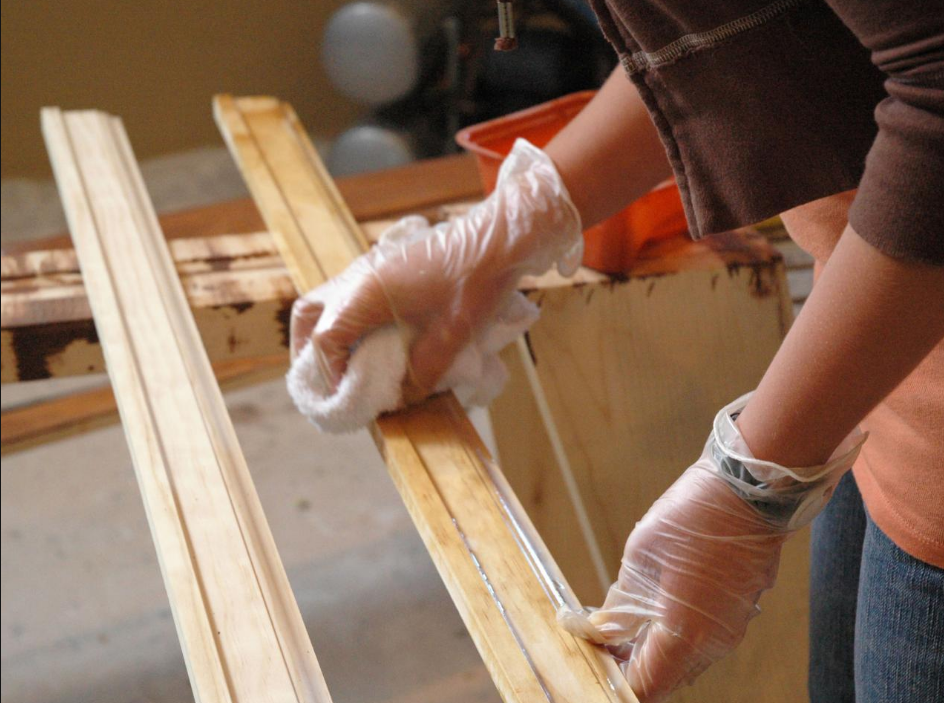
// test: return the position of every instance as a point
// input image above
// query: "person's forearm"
(610, 154)
(868, 323)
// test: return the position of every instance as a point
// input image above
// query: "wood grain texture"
(499, 574)
(412, 188)
(634, 371)
(242, 635)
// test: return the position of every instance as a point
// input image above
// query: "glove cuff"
(788, 498)
(564, 241)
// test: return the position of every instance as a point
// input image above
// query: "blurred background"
(378, 83)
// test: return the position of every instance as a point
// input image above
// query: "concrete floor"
(84, 613)
(85, 617)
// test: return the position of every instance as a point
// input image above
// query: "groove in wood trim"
(504, 583)
(240, 629)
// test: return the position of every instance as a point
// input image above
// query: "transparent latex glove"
(441, 285)
(695, 566)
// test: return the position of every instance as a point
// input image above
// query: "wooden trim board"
(240, 629)
(505, 585)
(33, 424)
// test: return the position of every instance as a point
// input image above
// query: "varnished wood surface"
(239, 291)
(241, 295)
(452, 489)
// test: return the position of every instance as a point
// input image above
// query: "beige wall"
(157, 64)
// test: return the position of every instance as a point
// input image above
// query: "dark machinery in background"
(428, 68)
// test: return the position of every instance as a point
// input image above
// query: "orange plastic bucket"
(610, 246)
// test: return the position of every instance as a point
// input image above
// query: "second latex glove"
(695, 566)
(443, 287)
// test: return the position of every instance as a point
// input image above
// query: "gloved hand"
(442, 287)
(695, 566)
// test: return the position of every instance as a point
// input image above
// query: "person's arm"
(443, 289)
(696, 564)
(868, 322)
(872, 315)
(610, 154)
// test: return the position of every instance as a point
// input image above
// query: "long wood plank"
(418, 186)
(504, 583)
(240, 629)
(33, 424)
(236, 284)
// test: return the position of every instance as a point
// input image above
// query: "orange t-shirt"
(900, 471)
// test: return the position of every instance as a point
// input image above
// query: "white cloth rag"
(372, 383)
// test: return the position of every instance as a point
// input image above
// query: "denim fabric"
(836, 552)
(876, 613)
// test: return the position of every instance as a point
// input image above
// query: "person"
(831, 114)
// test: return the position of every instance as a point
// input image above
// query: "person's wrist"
(786, 497)
(541, 223)
(567, 231)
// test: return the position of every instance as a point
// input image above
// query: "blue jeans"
(876, 613)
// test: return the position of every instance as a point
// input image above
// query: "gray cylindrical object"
(371, 52)
(369, 147)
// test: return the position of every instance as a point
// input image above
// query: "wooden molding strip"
(240, 629)
(498, 572)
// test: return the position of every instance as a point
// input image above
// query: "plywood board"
(634, 370)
